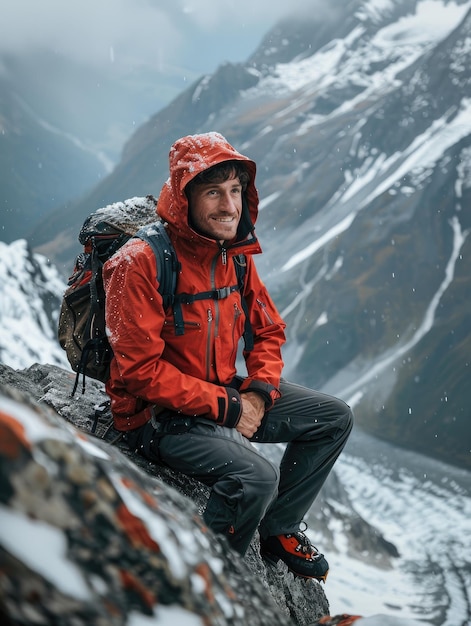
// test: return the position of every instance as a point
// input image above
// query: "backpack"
(81, 328)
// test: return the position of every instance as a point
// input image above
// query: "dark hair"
(219, 173)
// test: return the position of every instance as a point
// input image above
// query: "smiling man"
(175, 390)
(215, 200)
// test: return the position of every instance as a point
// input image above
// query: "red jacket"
(189, 374)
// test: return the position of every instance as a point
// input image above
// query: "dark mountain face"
(40, 166)
(361, 130)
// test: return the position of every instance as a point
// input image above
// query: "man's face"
(216, 208)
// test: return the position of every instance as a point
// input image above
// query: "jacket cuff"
(268, 392)
(230, 408)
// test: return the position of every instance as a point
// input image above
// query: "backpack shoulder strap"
(167, 263)
(240, 263)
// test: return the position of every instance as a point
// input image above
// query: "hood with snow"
(189, 156)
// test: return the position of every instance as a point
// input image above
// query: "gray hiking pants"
(247, 491)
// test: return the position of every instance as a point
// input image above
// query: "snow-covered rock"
(31, 290)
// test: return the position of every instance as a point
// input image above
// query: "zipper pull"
(224, 256)
(210, 315)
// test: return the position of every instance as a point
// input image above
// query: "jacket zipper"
(264, 309)
(213, 321)
(208, 345)
(213, 286)
(237, 314)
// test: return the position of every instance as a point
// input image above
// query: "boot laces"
(304, 543)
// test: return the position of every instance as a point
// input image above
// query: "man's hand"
(253, 410)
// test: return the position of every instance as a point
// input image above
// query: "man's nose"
(228, 202)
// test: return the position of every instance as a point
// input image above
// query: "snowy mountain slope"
(423, 507)
(30, 294)
(411, 183)
(383, 233)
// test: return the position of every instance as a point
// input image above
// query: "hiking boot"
(295, 549)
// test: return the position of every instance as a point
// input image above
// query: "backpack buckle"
(223, 292)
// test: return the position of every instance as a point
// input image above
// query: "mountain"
(360, 123)
(63, 124)
(41, 166)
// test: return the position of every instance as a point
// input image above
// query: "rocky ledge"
(92, 534)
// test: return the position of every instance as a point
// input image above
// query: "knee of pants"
(250, 490)
(335, 420)
(260, 480)
(342, 413)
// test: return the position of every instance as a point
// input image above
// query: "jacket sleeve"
(134, 319)
(264, 362)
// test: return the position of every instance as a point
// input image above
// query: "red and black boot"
(295, 549)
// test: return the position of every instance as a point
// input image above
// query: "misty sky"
(96, 69)
(185, 36)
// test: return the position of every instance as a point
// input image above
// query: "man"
(176, 392)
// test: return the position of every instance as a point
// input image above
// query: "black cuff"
(263, 389)
(229, 415)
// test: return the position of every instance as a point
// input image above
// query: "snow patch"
(29, 286)
(44, 549)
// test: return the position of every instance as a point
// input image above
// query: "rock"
(95, 534)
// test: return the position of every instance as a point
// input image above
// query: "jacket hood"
(188, 157)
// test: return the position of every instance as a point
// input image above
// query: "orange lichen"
(339, 620)
(130, 484)
(12, 436)
(135, 529)
(132, 582)
(204, 571)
